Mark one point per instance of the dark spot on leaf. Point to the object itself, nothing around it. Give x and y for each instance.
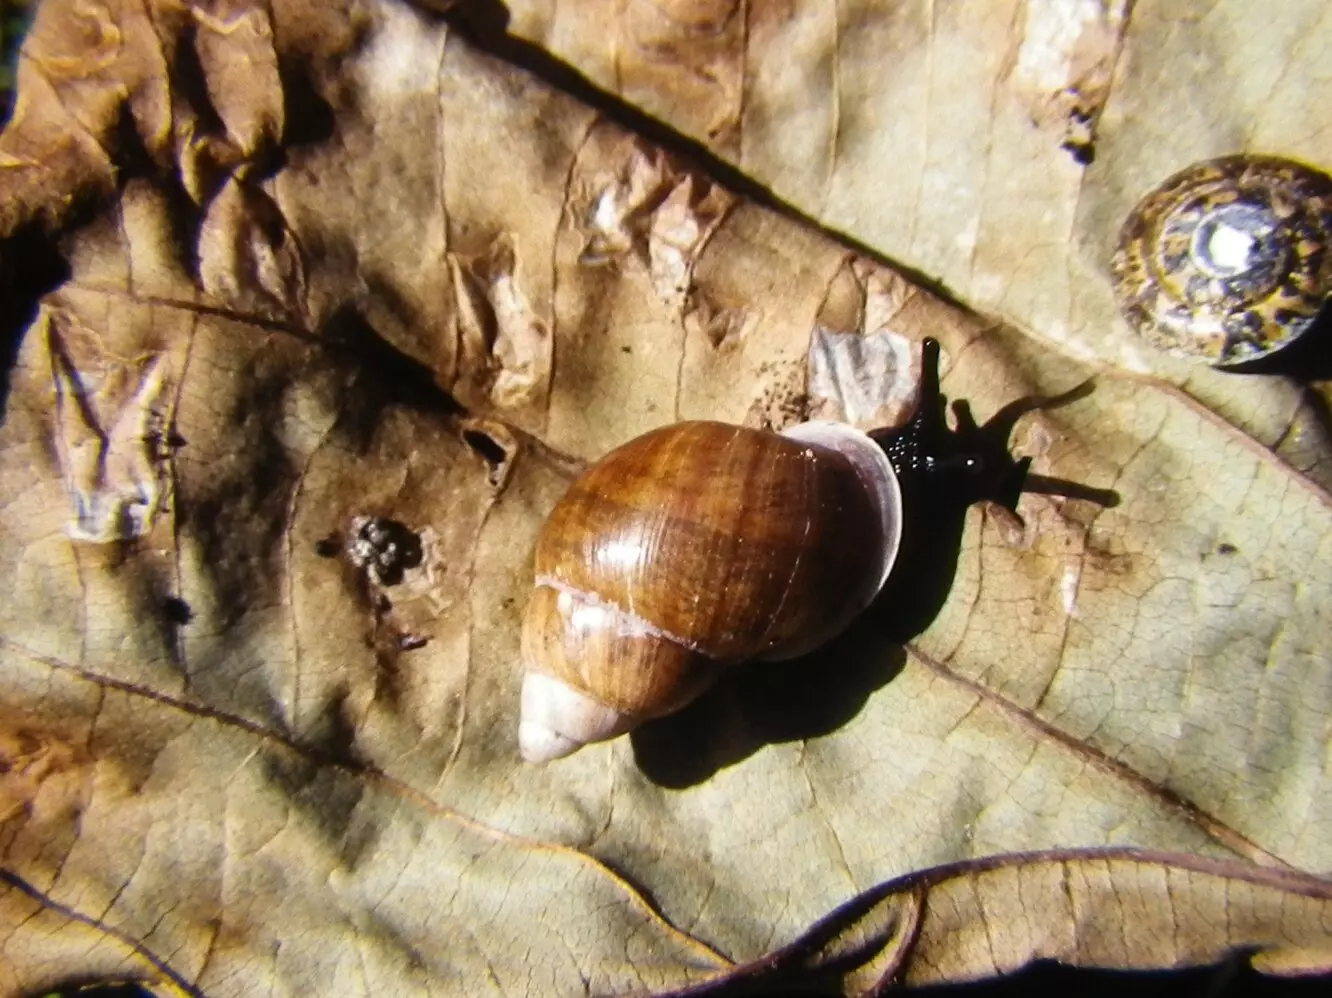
(177, 610)
(1083, 153)
(384, 547)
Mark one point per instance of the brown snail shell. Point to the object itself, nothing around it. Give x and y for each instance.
(1227, 260)
(690, 549)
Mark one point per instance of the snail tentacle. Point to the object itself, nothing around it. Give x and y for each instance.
(967, 463)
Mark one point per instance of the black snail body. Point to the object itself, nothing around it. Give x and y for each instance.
(1228, 260)
(701, 545)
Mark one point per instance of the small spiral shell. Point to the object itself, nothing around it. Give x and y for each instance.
(1227, 260)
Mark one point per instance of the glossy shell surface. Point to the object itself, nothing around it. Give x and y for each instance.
(1228, 260)
(692, 548)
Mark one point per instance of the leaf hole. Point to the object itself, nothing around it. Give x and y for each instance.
(495, 445)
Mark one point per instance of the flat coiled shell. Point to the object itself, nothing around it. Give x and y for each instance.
(1228, 260)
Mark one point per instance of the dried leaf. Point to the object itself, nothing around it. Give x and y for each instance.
(997, 150)
(996, 915)
(336, 333)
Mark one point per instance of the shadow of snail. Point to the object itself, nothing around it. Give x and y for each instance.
(704, 553)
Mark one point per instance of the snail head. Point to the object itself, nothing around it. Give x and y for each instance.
(969, 463)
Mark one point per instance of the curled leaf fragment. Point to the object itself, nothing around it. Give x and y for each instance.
(109, 422)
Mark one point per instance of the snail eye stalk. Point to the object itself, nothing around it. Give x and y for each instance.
(969, 463)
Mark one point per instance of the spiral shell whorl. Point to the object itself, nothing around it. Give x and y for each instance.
(1228, 259)
(690, 549)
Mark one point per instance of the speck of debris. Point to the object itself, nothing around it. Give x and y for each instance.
(1080, 132)
(783, 401)
(177, 611)
(1225, 548)
(1083, 153)
(384, 548)
(328, 547)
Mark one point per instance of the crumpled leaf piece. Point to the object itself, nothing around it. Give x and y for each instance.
(858, 378)
(246, 253)
(860, 370)
(111, 434)
(1120, 909)
(619, 207)
(653, 209)
(504, 341)
(1062, 687)
(680, 227)
(234, 43)
(79, 65)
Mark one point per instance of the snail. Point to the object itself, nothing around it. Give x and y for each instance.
(701, 545)
(1228, 260)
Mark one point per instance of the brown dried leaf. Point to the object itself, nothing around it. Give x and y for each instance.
(996, 915)
(335, 335)
(996, 149)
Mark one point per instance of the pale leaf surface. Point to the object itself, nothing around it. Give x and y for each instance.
(951, 137)
(380, 284)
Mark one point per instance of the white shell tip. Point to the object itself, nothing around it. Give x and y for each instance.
(557, 720)
(538, 743)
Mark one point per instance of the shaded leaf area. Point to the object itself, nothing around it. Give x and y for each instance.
(183, 842)
(109, 989)
(996, 151)
(1231, 979)
(324, 341)
(14, 15)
